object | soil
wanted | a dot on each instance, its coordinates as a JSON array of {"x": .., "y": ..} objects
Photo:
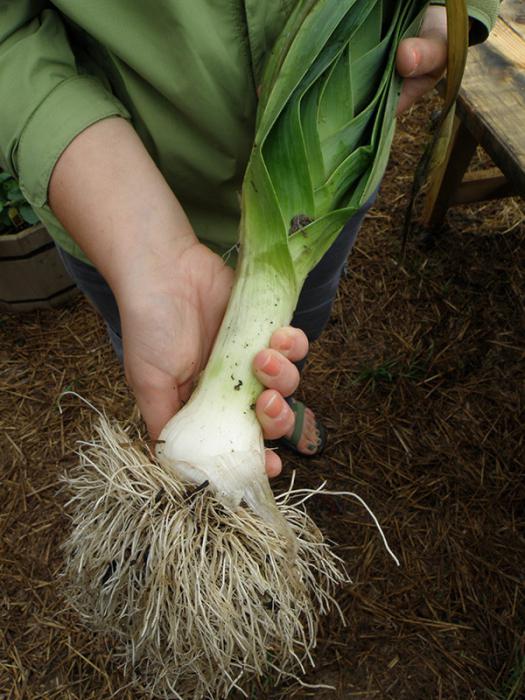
[{"x": 419, "y": 378}]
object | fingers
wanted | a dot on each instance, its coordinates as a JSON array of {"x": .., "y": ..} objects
[
  {"x": 290, "y": 342},
  {"x": 421, "y": 62},
  {"x": 422, "y": 56},
  {"x": 274, "y": 371},
  {"x": 274, "y": 414},
  {"x": 426, "y": 54},
  {"x": 274, "y": 366},
  {"x": 273, "y": 463},
  {"x": 412, "y": 90}
]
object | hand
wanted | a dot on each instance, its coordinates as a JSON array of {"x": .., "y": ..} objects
[
  {"x": 275, "y": 370},
  {"x": 171, "y": 290},
  {"x": 170, "y": 310},
  {"x": 423, "y": 60},
  {"x": 168, "y": 329}
]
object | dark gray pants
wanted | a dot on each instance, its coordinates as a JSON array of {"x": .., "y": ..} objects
[{"x": 315, "y": 301}]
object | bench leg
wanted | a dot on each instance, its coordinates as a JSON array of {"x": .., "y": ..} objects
[
  {"x": 482, "y": 185},
  {"x": 449, "y": 176}
]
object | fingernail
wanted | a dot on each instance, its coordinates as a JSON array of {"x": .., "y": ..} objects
[
  {"x": 270, "y": 366},
  {"x": 285, "y": 347},
  {"x": 415, "y": 59},
  {"x": 272, "y": 408},
  {"x": 285, "y": 342}
]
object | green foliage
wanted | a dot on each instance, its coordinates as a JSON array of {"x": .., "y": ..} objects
[
  {"x": 391, "y": 371},
  {"x": 15, "y": 213},
  {"x": 325, "y": 124}
]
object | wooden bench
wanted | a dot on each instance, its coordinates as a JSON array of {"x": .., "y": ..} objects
[{"x": 491, "y": 113}]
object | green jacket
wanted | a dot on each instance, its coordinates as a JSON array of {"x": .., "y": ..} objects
[{"x": 184, "y": 72}]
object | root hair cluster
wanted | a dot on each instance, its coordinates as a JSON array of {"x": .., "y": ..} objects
[{"x": 202, "y": 598}]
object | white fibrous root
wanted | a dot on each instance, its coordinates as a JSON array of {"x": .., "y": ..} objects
[{"x": 202, "y": 597}]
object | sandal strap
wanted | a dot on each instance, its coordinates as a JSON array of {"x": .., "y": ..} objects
[{"x": 299, "y": 409}]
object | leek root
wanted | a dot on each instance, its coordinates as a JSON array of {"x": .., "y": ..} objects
[{"x": 201, "y": 594}]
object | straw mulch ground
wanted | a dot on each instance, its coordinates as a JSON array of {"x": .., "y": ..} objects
[{"x": 420, "y": 379}]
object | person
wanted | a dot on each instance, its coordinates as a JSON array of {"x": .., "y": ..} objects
[{"x": 129, "y": 128}]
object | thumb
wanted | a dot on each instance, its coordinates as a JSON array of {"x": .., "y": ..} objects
[{"x": 422, "y": 56}]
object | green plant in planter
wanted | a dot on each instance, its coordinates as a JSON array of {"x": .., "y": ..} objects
[{"x": 15, "y": 212}]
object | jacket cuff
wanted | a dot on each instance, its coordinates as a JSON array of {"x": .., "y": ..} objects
[
  {"x": 483, "y": 14},
  {"x": 71, "y": 107}
]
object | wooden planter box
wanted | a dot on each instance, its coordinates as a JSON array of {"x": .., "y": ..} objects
[{"x": 31, "y": 273}]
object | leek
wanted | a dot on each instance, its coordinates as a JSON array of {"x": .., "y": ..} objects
[
  {"x": 206, "y": 578},
  {"x": 326, "y": 122}
]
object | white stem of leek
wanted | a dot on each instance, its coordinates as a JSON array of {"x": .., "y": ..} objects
[{"x": 216, "y": 437}]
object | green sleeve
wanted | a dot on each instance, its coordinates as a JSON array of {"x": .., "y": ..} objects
[
  {"x": 483, "y": 13},
  {"x": 45, "y": 101}
]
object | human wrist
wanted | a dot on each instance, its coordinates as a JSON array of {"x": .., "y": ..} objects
[{"x": 152, "y": 267}]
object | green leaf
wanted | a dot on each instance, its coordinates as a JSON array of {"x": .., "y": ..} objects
[
  {"x": 310, "y": 243},
  {"x": 16, "y": 199},
  {"x": 367, "y": 73},
  {"x": 311, "y": 137},
  {"x": 309, "y": 41},
  {"x": 337, "y": 147},
  {"x": 331, "y": 194},
  {"x": 263, "y": 230},
  {"x": 28, "y": 214},
  {"x": 364, "y": 41},
  {"x": 337, "y": 85},
  {"x": 336, "y": 106},
  {"x": 288, "y": 166}
]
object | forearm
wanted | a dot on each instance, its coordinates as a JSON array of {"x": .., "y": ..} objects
[{"x": 112, "y": 199}]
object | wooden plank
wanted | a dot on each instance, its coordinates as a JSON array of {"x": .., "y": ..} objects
[
  {"x": 513, "y": 12},
  {"x": 510, "y": 45},
  {"x": 482, "y": 185},
  {"x": 492, "y": 100},
  {"x": 491, "y": 112}
]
